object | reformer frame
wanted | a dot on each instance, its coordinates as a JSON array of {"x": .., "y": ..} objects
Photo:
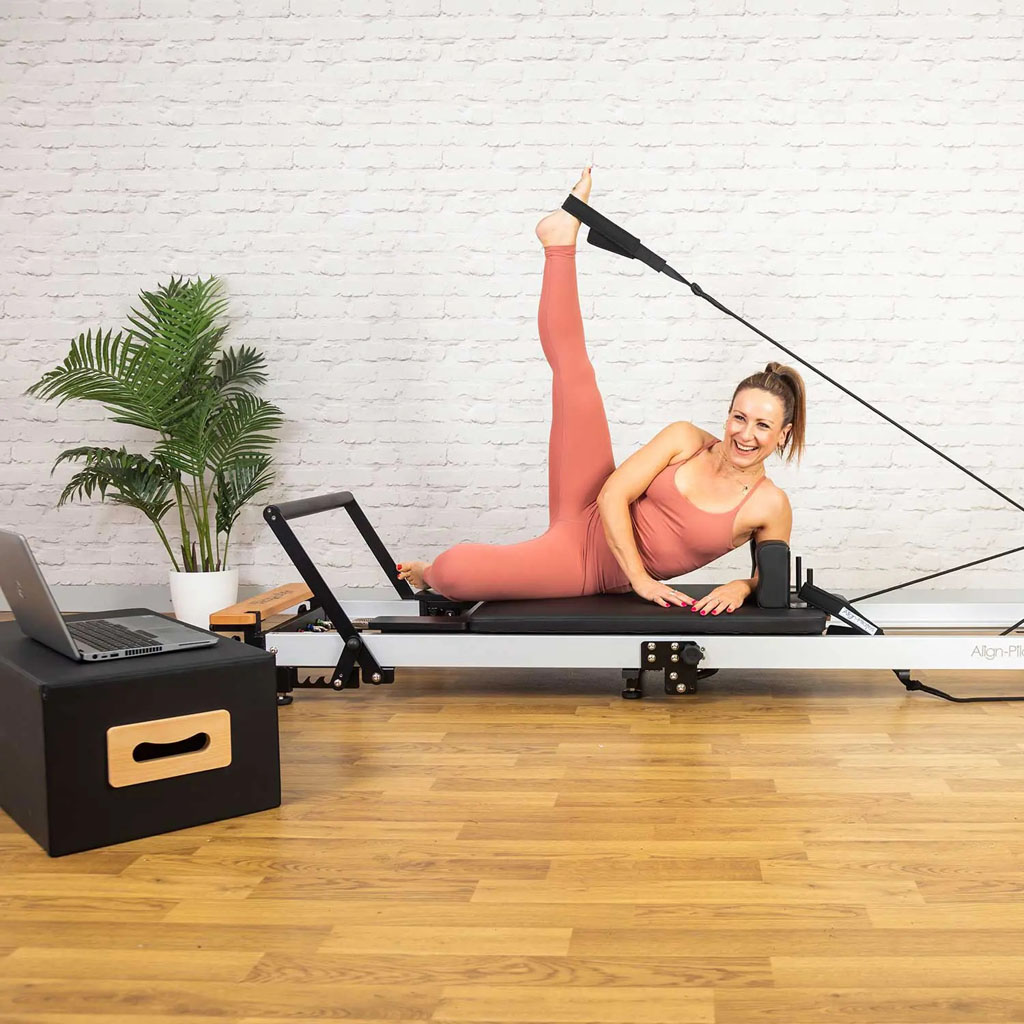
[
  {"x": 368, "y": 640},
  {"x": 807, "y": 628}
]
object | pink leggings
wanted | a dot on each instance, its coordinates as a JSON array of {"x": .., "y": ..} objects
[{"x": 579, "y": 461}]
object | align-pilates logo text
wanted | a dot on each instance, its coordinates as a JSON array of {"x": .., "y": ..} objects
[{"x": 1013, "y": 651}]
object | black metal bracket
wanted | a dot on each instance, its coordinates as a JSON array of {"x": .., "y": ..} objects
[
  {"x": 678, "y": 660},
  {"x": 252, "y": 632},
  {"x": 254, "y": 635},
  {"x": 340, "y": 679},
  {"x": 357, "y": 656},
  {"x": 434, "y": 604}
]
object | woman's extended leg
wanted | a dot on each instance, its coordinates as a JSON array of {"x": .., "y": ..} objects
[
  {"x": 579, "y": 451},
  {"x": 580, "y": 447}
]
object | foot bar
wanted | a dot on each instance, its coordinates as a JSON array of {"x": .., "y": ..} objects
[{"x": 279, "y": 515}]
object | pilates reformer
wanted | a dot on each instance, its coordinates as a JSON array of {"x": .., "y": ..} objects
[{"x": 787, "y": 623}]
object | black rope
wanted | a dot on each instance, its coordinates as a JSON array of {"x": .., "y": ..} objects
[
  {"x": 935, "y": 575},
  {"x": 956, "y": 700},
  {"x": 1012, "y": 629},
  {"x": 698, "y": 291}
]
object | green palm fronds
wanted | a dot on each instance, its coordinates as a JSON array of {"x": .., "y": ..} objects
[
  {"x": 135, "y": 480},
  {"x": 237, "y": 485},
  {"x": 243, "y": 426},
  {"x": 238, "y": 368},
  {"x": 166, "y": 373},
  {"x": 100, "y": 370},
  {"x": 132, "y": 480}
]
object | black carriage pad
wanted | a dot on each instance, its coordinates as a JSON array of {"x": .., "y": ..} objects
[
  {"x": 605, "y": 614},
  {"x": 627, "y": 613}
]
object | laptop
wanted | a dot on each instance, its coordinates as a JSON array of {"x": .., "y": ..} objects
[{"x": 91, "y": 639}]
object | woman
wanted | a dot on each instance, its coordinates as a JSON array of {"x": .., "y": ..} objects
[{"x": 683, "y": 500}]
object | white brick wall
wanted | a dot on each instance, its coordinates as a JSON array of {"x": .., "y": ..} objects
[{"x": 366, "y": 176}]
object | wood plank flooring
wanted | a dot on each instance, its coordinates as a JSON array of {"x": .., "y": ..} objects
[{"x": 498, "y": 847}]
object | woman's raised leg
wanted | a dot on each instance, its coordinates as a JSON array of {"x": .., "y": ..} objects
[
  {"x": 579, "y": 452},
  {"x": 580, "y": 447}
]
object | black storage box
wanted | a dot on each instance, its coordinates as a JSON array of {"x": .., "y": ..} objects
[{"x": 95, "y": 753}]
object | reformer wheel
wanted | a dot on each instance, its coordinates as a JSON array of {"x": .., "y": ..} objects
[{"x": 633, "y": 678}]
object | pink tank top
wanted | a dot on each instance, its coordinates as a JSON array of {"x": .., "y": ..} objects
[{"x": 673, "y": 536}]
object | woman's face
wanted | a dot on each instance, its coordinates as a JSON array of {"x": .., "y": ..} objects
[{"x": 754, "y": 428}]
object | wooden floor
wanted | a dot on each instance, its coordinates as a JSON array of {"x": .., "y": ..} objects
[{"x": 493, "y": 846}]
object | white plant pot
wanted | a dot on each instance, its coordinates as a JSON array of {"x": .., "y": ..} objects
[{"x": 196, "y": 595}]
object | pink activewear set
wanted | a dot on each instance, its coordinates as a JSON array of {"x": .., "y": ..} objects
[{"x": 572, "y": 558}]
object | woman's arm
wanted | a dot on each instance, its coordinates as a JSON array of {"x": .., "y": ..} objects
[
  {"x": 778, "y": 525},
  {"x": 618, "y": 531},
  {"x": 629, "y": 481}
]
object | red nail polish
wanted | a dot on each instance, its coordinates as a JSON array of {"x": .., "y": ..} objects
[
  {"x": 398, "y": 567},
  {"x": 704, "y": 612}
]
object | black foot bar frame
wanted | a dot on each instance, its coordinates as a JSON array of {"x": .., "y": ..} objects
[{"x": 356, "y": 659}]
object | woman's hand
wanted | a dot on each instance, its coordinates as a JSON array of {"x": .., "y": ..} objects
[
  {"x": 726, "y": 598},
  {"x": 660, "y": 593}
]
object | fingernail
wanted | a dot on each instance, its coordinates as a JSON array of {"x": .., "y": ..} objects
[
  {"x": 398, "y": 567},
  {"x": 716, "y": 612},
  {"x": 704, "y": 612}
]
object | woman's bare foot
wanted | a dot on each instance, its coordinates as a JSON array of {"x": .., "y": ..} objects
[
  {"x": 561, "y": 227},
  {"x": 413, "y": 572}
]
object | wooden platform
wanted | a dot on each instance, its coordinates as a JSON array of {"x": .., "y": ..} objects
[{"x": 489, "y": 846}]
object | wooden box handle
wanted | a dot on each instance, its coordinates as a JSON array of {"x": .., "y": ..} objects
[{"x": 167, "y": 747}]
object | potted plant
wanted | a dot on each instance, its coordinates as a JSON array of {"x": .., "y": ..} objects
[{"x": 167, "y": 374}]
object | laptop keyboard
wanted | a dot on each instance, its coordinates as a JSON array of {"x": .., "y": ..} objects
[{"x": 107, "y": 636}]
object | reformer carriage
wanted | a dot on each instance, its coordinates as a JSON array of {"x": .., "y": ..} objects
[{"x": 788, "y": 623}]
